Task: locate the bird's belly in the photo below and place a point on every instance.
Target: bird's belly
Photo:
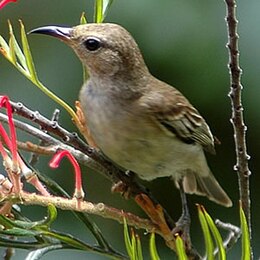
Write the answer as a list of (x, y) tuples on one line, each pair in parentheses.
[(138, 145), (132, 146), (151, 159)]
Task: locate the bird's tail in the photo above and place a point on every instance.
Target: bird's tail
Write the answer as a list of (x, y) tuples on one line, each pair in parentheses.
[(206, 186)]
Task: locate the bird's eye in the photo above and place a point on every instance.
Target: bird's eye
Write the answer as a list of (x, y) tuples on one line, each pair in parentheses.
[(92, 44)]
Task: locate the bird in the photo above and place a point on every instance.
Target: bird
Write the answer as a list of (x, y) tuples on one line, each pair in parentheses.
[(138, 121)]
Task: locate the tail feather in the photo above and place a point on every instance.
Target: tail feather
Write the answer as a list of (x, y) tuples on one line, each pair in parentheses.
[(206, 186)]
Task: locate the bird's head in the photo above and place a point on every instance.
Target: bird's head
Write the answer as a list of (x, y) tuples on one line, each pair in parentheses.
[(105, 49)]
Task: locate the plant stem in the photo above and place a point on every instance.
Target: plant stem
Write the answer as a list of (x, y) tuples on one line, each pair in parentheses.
[(237, 119)]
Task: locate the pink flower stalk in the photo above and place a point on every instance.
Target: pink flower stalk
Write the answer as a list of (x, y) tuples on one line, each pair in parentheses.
[(5, 184), (55, 162), (4, 153), (4, 101), (3, 3), (9, 145)]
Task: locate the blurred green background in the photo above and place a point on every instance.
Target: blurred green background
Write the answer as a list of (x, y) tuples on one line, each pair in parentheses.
[(183, 43)]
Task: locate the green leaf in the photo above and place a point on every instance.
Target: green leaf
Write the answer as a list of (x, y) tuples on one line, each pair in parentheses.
[(128, 244), (98, 11), (24, 224), (153, 250), (133, 242), (20, 54), (28, 55), (207, 236), (5, 222), (15, 50), (83, 18), (47, 221), (139, 249), (28, 225), (8, 223), (52, 215), (4, 45), (11, 44), (20, 232), (216, 235), (180, 249), (246, 252)]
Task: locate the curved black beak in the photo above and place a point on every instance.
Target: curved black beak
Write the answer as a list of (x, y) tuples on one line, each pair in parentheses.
[(63, 33)]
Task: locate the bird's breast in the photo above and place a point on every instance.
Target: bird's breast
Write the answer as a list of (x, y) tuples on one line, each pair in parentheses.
[(133, 141)]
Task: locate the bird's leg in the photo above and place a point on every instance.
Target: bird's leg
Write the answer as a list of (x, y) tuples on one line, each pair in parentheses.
[(183, 224)]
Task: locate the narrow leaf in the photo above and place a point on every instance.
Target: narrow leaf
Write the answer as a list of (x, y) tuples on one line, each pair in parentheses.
[(83, 18), (15, 48), (98, 13), (139, 249), (5, 222), (245, 236), (24, 224), (8, 223), (19, 54), (153, 250), (11, 44), (52, 215), (180, 249), (127, 240), (20, 232), (27, 54), (4, 45), (133, 242), (216, 235), (206, 233)]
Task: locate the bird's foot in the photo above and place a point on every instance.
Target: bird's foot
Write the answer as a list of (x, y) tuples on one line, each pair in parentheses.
[(122, 188), (182, 229)]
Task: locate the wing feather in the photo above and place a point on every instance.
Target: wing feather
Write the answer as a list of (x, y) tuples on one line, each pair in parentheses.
[(178, 116)]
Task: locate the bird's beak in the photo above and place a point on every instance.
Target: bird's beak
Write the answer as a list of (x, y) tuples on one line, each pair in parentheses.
[(63, 33)]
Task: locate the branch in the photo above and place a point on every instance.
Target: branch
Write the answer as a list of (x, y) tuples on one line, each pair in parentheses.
[(98, 209), (234, 233), (237, 119)]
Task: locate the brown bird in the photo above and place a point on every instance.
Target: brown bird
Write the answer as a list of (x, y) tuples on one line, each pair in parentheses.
[(138, 121)]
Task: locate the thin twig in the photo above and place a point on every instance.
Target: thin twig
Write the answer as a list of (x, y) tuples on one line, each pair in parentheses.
[(34, 155), (234, 234), (237, 119)]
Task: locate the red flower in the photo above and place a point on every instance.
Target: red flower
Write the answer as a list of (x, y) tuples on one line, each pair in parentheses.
[(4, 102), (3, 3), (55, 162)]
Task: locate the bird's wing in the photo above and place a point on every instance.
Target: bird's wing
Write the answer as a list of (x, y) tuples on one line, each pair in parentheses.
[(177, 116)]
